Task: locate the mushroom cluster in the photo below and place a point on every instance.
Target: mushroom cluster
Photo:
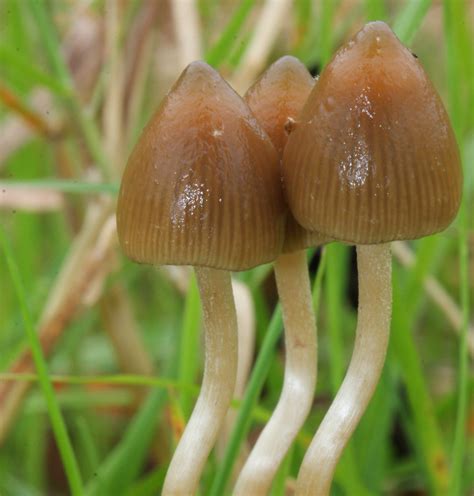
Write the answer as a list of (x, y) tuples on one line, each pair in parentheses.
[(372, 159), (202, 187), (365, 155)]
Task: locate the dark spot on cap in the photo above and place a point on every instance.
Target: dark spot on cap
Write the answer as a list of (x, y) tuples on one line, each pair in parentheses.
[(290, 125)]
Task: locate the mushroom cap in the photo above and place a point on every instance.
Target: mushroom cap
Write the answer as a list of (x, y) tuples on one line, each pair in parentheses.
[(276, 98), (373, 158), (279, 95), (202, 185)]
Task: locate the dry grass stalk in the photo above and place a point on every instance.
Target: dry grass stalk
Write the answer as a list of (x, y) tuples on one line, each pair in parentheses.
[(58, 314), (84, 51), (135, 53), (272, 17), (119, 319), (114, 97), (188, 31), (15, 131), (29, 199), (30, 116)]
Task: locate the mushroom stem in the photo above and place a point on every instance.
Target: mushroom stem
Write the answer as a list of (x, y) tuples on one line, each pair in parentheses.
[(372, 336), (220, 369), (295, 402)]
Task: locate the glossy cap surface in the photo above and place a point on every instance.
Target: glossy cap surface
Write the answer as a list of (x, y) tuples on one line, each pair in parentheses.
[(278, 95), (202, 185), (275, 98), (374, 157)]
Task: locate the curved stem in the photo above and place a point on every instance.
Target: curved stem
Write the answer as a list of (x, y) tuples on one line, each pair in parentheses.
[(220, 327), (373, 329), (295, 402)]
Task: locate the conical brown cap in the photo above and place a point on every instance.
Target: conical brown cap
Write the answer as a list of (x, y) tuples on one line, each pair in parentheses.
[(276, 98), (373, 158), (202, 186)]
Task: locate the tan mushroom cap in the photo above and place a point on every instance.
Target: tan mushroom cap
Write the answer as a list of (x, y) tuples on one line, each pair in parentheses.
[(276, 98), (202, 185), (374, 157)]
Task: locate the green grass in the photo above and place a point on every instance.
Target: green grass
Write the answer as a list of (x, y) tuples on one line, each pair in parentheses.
[(81, 415), (221, 49), (459, 41), (57, 421), (64, 186), (189, 343), (48, 35)]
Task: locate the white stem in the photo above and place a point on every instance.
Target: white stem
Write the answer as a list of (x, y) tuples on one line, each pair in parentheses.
[(220, 369), (300, 377), (373, 329)]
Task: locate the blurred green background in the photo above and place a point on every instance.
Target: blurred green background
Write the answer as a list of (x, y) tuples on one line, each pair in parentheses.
[(78, 80)]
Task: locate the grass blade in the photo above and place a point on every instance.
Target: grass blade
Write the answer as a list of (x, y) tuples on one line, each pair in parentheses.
[(375, 10), (50, 39), (454, 14), (64, 186), (428, 440), (188, 359), (219, 52), (87, 445), (59, 427), (28, 72), (410, 18), (328, 8), (335, 286), (115, 379), (121, 467)]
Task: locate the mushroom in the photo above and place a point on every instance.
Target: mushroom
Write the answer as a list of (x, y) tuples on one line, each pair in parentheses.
[(275, 99), (202, 188), (372, 159)]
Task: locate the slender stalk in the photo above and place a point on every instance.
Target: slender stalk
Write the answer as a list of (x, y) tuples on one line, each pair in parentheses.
[(300, 377), (335, 287), (220, 369), (373, 327), (249, 402)]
